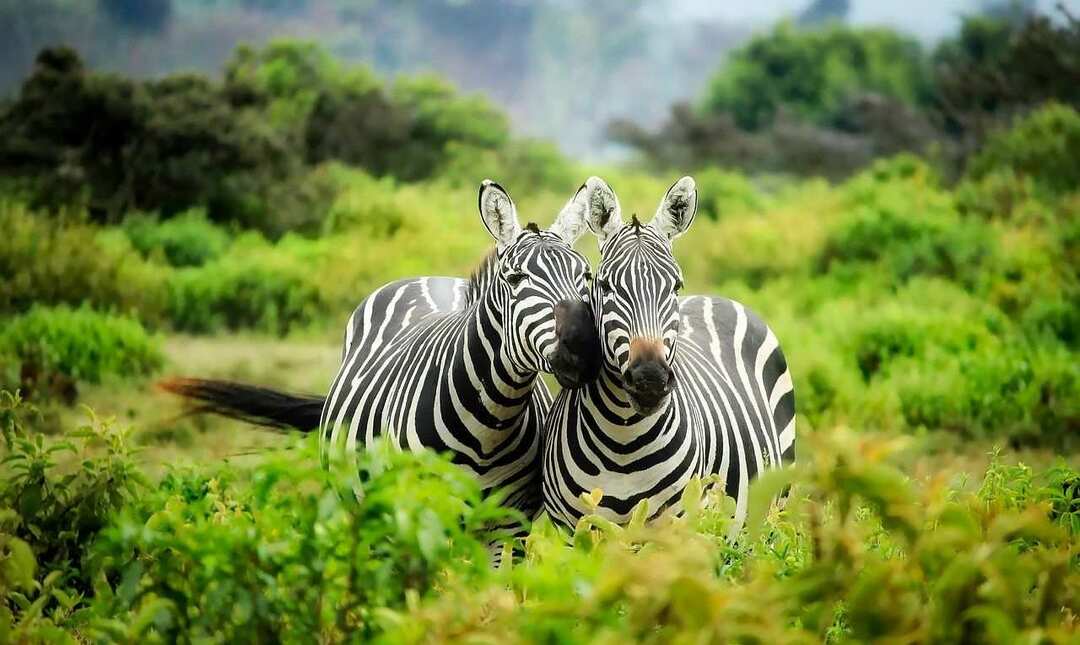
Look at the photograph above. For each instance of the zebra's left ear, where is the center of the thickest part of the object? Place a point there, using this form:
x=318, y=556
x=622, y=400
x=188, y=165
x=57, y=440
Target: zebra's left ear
x=498, y=213
x=571, y=222
x=677, y=209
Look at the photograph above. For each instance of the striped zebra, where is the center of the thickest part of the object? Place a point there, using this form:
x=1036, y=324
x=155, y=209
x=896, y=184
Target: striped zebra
x=452, y=364
x=689, y=386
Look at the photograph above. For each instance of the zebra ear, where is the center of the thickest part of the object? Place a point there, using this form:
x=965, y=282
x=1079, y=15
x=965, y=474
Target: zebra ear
x=603, y=214
x=677, y=209
x=571, y=221
x=498, y=213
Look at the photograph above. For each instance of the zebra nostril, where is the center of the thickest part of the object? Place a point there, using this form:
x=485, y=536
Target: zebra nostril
x=628, y=377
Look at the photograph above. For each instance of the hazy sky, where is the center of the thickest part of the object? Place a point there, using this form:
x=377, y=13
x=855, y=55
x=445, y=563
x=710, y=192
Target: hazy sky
x=928, y=19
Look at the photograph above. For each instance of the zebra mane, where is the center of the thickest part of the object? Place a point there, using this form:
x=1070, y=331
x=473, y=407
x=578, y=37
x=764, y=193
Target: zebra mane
x=481, y=275
x=636, y=223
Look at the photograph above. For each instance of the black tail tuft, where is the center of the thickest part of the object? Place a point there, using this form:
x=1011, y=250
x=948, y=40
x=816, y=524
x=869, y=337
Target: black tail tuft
x=251, y=403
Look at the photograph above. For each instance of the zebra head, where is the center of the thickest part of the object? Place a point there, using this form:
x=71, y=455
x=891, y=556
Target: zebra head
x=542, y=284
x=635, y=294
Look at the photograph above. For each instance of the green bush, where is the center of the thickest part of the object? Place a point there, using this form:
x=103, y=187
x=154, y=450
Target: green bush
x=1041, y=146
x=368, y=205
x=50, y=514
x=285, y=551
x=266, y=287
x=290, y=555
x=859, y=554
x=720, y=193
x=49, y=262
x=80, y=344
x=189, y=239
x=899, y=219
x=1027, y=395
x=524, y=166
x=909, y=245
x=812, y=73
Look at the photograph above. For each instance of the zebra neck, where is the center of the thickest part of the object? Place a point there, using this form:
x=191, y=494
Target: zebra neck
x=489, y=388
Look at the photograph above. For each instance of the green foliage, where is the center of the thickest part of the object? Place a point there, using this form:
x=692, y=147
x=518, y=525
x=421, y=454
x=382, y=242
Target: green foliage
x=369, y=205
x=997, y=68
x=812, y=73
x=55, y=497
x=860, y=553
x=78, y=344
x=923, y=237
x=828, y=100
x=115, y=144
x=527, y=166
x=48, y=262
x=1026, y=395
x=290, y=554
x=1040, y=147
x=287, y=551
x=188, y=239
x=243, y=149
x=258, y=285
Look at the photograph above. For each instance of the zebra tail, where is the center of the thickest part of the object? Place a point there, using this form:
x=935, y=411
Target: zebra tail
x=259, y=405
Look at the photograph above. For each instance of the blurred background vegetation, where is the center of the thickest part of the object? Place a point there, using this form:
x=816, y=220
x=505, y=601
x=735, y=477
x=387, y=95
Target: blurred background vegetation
x=904, y=211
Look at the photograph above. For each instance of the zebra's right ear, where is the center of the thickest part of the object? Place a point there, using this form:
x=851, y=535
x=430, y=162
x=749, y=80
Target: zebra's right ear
x=604, y=214
x=571, y=222
x=498, y=213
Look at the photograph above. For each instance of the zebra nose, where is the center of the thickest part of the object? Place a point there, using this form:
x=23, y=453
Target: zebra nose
x=650, y=378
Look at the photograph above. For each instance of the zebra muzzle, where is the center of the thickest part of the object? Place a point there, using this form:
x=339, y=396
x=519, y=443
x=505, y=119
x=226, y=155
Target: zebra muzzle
x=575, y=361
x=648, y=378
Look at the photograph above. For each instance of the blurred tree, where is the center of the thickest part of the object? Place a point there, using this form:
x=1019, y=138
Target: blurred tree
x=812, y=74
x=996, y=69
x=117, y=145
x=333, y=111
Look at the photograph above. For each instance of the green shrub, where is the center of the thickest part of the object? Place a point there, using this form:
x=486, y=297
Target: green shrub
x=1027, y=395
x=50, y=514
x=523, y=166
x=1041, y=146
x=260, y=286
x=291, y=555
x=285, y=551
x=46, y=261
x=80, y=344
x=859, y=554
x=188, y=239
x=909, y=245
x=811, y=73
x=368, y=205
x=721, y=192
x=899, y=218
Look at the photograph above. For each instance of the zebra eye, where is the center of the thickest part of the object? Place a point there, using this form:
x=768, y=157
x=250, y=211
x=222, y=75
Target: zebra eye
x=515, y=278
x=588, y=276
x=678, y=286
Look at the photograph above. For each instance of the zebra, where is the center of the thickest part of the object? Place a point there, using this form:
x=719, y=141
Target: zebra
x=692, y=385
x=450, y=364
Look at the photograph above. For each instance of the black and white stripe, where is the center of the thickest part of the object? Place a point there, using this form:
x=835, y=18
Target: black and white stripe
x=689, y=386
x=451, y=364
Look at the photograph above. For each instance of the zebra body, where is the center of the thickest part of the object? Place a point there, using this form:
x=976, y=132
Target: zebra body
x=452, y=365
x=731, y=412
x=690, y=386
x=426, y=367
x=449, y=364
